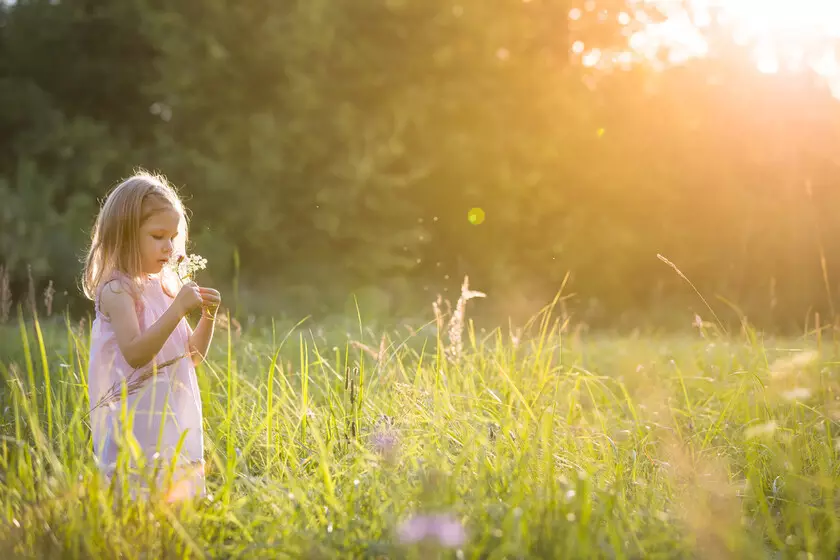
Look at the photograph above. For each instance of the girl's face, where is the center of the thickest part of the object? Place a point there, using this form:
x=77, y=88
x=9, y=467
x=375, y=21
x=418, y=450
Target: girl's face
x=157, y=239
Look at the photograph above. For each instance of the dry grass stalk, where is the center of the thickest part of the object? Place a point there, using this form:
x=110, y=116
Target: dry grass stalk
x=350, y=376
x=378, y=355
x=455, y=326
x=49, y=296
x=5, y=295
x=135, y=381
x=30, y=296
x=439, y=313
x=223, y=321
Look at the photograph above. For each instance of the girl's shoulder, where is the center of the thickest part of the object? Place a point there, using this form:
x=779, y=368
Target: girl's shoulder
x=118, y=286
x=117, y=283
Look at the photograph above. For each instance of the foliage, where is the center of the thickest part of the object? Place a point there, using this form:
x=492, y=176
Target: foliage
x=337, y=148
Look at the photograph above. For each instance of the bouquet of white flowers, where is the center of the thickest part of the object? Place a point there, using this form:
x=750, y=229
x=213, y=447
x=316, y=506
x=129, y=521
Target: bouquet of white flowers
x=186, y=266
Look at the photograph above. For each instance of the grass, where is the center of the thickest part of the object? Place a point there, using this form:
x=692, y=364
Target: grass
x=546, y=444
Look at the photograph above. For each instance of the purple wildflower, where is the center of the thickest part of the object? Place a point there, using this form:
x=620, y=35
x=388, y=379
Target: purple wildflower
x=384, y=442
x=445, y=529
x=385, y=439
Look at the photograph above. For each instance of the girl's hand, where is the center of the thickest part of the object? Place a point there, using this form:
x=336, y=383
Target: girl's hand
x=210, y=300
x=188, y=298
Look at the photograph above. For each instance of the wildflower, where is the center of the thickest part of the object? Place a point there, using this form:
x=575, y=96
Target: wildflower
x=385, y=439
x=444, y=529
x=186, y=266
x=384, y=442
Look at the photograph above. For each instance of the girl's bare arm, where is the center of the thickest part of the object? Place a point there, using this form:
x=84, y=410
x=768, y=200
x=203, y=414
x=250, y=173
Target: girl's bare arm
x=203, y=334
x=138, y=348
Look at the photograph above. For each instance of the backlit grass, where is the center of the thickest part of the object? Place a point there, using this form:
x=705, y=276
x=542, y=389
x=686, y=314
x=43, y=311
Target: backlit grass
x=548, y=444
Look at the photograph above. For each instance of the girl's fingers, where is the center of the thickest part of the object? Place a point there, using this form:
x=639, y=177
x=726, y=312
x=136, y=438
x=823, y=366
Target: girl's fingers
x=210, y=297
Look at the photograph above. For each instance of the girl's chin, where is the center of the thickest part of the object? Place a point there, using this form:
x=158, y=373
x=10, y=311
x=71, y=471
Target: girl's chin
x=157, y=268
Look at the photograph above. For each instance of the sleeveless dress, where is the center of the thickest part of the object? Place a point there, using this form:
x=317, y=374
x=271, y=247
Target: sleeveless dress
x=159, y=408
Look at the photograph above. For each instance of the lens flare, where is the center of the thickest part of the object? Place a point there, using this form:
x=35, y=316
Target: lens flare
x=780, y=36
x=476, y=216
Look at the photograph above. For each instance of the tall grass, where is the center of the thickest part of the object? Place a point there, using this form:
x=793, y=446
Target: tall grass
x=539, y=444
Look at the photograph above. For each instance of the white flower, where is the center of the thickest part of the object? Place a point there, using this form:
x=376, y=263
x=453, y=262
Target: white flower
x=186, y=267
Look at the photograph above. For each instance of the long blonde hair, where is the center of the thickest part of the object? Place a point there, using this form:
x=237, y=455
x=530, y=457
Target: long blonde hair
x=115, y=244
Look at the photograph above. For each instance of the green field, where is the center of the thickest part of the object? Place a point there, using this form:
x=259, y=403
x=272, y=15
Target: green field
x=545, y=443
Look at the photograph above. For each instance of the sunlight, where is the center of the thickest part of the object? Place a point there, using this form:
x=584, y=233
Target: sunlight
x=779, y=35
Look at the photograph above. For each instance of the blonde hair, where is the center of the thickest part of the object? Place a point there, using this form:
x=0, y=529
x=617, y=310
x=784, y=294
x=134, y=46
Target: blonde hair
x=115, y=245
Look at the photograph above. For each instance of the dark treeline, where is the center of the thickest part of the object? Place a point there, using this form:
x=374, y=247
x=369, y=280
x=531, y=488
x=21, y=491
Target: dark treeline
x=333, y=147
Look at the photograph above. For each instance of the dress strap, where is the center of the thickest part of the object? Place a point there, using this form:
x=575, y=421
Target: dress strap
x=124, y=280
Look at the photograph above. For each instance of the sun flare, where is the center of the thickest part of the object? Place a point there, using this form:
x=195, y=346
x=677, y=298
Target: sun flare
x=778, y=35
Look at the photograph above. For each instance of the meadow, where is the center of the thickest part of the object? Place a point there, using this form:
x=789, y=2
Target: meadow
x=444, y=440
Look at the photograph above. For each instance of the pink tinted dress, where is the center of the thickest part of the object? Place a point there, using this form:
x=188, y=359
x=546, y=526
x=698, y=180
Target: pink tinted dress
x=160, y=409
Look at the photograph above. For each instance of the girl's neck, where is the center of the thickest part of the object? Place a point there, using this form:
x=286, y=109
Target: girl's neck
x=141, y=278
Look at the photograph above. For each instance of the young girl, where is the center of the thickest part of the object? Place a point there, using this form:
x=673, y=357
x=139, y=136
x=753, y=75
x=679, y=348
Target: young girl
x=141, y=342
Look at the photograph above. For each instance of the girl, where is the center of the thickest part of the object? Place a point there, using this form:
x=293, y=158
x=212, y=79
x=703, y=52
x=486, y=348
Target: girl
x=141, y=378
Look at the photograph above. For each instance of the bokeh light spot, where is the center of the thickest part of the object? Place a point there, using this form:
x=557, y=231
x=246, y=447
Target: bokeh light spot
x=476, y=216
